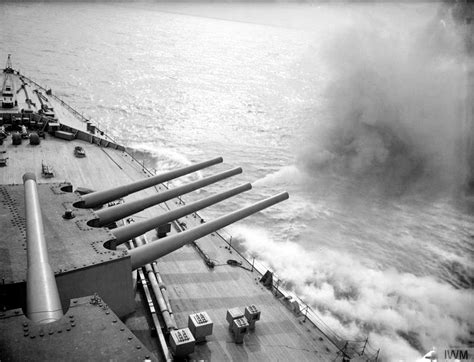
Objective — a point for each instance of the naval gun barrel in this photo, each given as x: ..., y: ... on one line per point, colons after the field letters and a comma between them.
x: 114, y: 213
x: 98, y: 198
x: 147, y: 253
x: 43, y: 304
x: 125, y: 233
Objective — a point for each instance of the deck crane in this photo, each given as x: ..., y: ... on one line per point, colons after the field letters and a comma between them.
x: 28, y: 101
x: 45, y: 108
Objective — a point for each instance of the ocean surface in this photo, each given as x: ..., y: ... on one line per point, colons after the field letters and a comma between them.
x: 358, y: 111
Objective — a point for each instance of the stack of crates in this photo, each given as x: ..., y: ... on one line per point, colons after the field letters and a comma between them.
x: 237, y: 324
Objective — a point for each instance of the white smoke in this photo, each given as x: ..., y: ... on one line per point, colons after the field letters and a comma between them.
x: 285, y: 176
x: 162, y: 158
x: 357, y: 300
x: 395, y: 104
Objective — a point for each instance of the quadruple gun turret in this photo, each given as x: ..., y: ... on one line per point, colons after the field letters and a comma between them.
x: 123, y: 260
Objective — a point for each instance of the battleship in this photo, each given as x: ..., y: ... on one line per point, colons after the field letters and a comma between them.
x: 102, y: 260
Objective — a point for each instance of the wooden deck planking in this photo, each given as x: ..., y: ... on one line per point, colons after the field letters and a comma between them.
x: 278, y: 336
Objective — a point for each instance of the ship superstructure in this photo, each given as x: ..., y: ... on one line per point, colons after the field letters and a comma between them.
x: 101, y: 260
x: 8, y: 96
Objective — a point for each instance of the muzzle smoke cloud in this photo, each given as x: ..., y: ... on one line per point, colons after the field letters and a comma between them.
x: 393, y: 120
x: 399, y: 312
x: 395, y: 110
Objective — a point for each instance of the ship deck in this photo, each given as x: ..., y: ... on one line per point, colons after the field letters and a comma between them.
x: 191, y: 284
x: 280, y: 334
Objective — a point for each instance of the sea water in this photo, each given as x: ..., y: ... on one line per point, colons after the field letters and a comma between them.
x: 357, y: 110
